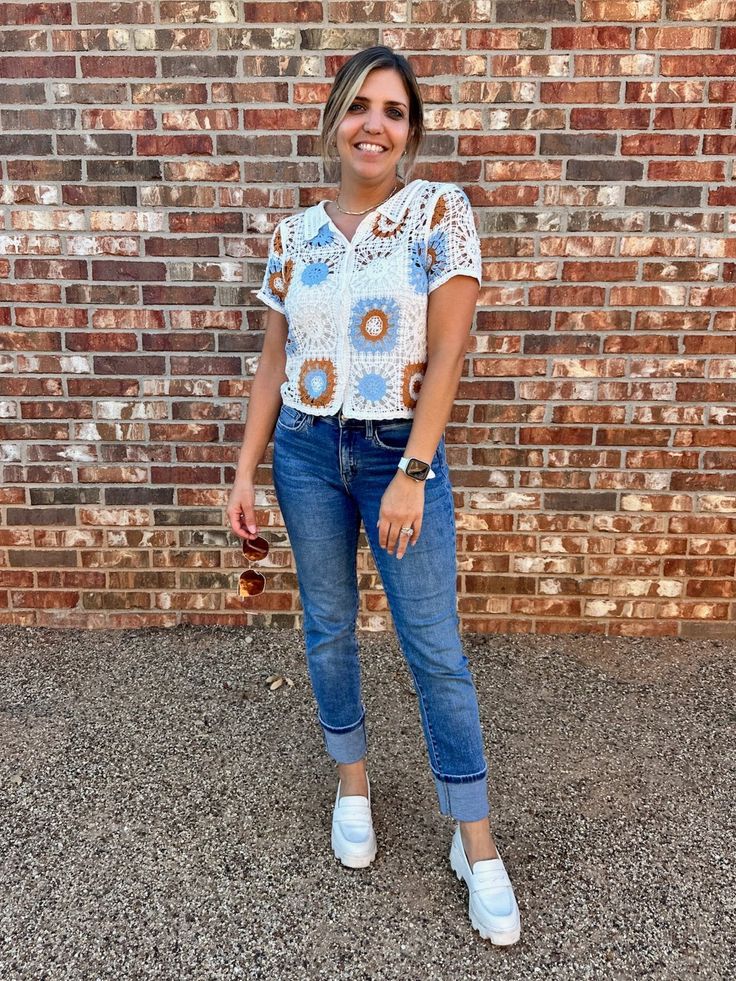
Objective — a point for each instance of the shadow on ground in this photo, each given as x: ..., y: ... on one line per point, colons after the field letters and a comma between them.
x: 164, y: 814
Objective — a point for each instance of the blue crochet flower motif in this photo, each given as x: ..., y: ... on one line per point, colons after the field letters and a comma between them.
x: 437, y: 256
x: 315, y: 273
x: 417, y: 267
x: 315, y: 382
x: 323, y: 237
x: 372, y: 387
x: 374, y: 324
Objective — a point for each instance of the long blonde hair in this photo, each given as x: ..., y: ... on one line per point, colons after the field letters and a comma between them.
x: 346, y: 86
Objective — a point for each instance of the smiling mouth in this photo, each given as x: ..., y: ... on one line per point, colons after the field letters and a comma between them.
x: 373, y: 148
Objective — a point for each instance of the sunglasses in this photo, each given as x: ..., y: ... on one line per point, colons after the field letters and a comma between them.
x: 251, y: 583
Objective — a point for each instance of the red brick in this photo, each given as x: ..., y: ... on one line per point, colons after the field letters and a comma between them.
x: 620, y: 566
x: 636, y: 545
x: 584, y: 458
x: 547, y: 478
x: 46, y: 599
x: 696, y: 568
x: 542, y: 606
x: 718, y: 588
x: 556, y: 436
x: 715, y: 481
x: 588, y: 413
x: 657, y: 415
x: 661, y: 459
x: 702, y: 524
x: 572, y: 545
x: 584, y: 92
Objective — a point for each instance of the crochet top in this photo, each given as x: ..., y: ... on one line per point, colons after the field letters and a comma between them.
x: 357, y: 310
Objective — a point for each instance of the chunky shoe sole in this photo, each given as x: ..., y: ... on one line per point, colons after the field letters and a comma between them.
x: 500, y: 937
x: 353, y: 861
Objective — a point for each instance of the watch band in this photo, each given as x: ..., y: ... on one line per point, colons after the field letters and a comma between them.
x: 402, y: 464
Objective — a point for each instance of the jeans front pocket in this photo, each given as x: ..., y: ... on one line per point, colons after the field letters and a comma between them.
x: 291, y: 418
x: 392, y: 435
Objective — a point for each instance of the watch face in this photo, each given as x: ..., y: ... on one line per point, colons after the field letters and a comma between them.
x: 417, y: 469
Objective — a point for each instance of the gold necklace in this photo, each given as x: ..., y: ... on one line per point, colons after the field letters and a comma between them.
x: 372, y: 207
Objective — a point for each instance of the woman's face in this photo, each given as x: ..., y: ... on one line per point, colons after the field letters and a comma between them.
x: 379, y: 117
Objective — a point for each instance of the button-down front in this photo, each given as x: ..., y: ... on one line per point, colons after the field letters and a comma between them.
x: 357, y: 310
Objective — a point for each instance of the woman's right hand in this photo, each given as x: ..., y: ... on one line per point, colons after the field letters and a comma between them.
x: 241, y: 508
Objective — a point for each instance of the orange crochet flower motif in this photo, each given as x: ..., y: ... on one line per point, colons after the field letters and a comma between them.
x: 440, y: 210
x: 384, y: 227
x: 412, y: 383
x: 279, y: 279
x: 374, y: 324
x: 286, y: 274
x: 317, y: 381
x: 278, y: 245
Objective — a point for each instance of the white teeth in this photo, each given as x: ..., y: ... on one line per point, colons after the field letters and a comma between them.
x: 372, y: 147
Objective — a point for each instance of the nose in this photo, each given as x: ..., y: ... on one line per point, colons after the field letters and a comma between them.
x: 372, y: 122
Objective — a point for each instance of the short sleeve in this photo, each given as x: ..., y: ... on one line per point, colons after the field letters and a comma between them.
x: 453, y: 246
x: 278, y: 269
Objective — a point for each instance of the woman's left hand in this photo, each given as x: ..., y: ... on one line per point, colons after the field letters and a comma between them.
x: 402, y: 505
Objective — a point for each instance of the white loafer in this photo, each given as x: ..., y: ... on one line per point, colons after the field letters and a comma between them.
x: 353, y: 838
x: 492, y: 905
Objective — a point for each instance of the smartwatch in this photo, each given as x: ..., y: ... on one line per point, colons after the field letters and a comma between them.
x: 416, y: 468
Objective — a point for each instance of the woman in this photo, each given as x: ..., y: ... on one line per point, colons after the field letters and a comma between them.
x: 371, y: 300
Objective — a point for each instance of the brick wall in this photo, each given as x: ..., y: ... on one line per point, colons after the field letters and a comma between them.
x: 147, y: 150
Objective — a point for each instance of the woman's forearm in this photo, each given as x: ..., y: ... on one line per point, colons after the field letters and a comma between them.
x: 263, y: 409
x: 434, y: 406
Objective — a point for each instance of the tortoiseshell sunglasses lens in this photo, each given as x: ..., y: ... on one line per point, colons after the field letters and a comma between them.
x: 250, y: 583
x: 255, y: 548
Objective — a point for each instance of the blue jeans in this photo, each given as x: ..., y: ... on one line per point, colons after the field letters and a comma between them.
x: 328, y: 473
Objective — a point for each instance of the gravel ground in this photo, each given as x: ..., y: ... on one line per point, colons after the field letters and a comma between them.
x: 164, y: 814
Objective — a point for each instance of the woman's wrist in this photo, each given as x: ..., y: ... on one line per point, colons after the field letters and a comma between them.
x: 246, y: 470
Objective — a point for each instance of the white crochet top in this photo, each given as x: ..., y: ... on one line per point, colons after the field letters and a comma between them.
x: 357, y: 310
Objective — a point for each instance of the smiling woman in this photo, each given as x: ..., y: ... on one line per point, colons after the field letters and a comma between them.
x: 376, y: 291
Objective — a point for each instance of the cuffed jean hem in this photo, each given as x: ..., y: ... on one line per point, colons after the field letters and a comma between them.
x: 464, y: 801
x: 346, y: 744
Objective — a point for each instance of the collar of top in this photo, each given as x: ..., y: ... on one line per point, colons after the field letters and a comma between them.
x: 316, y: 216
